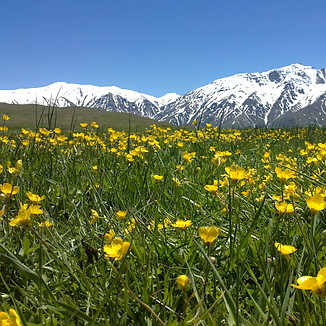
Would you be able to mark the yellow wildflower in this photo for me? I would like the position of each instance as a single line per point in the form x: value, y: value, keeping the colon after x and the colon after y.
x: 121, y: 214
x: 5, y: 117
x: 315, y: 284
x: 116, y: 249
x: 180, y: 167
x: 130, y: 226
x: 25, y: 215
x: 94, y: 125
x: 109, y: 236
x: 284, y: 250
x: 180, y: 224
x: 9, y: 190
x: 224, y: 182
x: 129, y: 158
x: 212, y: 188
x: 57, y: 130
x: 183, y: 282
x: 315, y: 203
x: 94, y: 217
x: 284, y: 207
x: 188, y: 157
x: 237, y: 173
x: 34, y: 209
x: 217, y: 160
x: 176, y: 181
x: 45, y: 224
x: 36, y: 199
x: 209, y: 234
x: 158, y: 178
x: 284, y: 175
x: 11, y: 319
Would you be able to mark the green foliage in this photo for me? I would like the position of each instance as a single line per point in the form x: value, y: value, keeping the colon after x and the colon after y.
x: 61, y: 274
x: 35, y: 116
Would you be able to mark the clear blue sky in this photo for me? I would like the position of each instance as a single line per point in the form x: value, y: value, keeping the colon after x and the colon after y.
x: 155, y: 46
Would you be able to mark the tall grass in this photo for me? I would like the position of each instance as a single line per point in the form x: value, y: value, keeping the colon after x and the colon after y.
x: 60, y: 274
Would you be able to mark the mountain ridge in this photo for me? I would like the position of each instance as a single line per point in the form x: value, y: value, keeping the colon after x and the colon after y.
x: 240, y: 101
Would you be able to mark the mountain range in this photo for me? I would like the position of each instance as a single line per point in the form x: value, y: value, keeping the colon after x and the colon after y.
x: 294, y: 95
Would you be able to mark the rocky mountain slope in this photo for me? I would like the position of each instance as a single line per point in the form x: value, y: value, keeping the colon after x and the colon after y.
x: 292, y: 95
x: 279, y: 97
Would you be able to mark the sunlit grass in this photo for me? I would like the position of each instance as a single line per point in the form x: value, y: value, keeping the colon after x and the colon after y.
x: 162, y: 227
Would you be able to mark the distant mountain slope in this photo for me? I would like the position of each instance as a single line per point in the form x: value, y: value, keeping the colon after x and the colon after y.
x: 292, y: 95
x: 109, y: 98
x: 258, y: 99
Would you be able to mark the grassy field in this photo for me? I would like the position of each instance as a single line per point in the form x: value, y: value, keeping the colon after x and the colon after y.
x: 162, y: 227
x: 35, y: 116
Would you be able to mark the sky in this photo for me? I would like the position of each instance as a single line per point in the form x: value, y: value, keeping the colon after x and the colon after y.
x: 155, y: 46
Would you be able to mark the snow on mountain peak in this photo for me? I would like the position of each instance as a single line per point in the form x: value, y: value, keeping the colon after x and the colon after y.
x: 245, y: 99
x: 250, y: 99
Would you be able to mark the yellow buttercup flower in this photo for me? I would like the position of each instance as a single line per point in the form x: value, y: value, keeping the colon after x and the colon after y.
x: 284, y: 175
x: 315, y: 203
x: 94, y: 125
x: 290, y: 190
x: 284, y: 208
x: 11, y: 319
x: 176, y: 181
x: 109, y: 236
x: 36, y: 199
x: 16, y: 169
x: 157, y: 178
x: 180, y: 224
x: 180, y: 167
x: 315, y: 284
x: 131, y: 225
x: 9, y: 190
x: 212, y: 188
x: 237, y: 173
x: 209, y: 234
x: 116, y: 249
x: 25, y: 215
x: 34, y: 209
x: 83, y: 125
x: 188, y: 157
x: 284, y: 250
x: 45, y: 224
x: 183, y: 282
x: 94, y: 217
x: 121, y: 214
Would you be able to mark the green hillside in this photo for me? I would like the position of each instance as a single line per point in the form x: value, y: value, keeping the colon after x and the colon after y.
x: 33, y: 116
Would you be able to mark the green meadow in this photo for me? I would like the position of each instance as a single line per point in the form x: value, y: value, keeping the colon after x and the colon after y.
x: 35, y: 116
x: 103, y: 224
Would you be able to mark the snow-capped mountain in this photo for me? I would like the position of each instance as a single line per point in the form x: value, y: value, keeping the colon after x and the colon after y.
x: 290, y: 95
x: 109, y: 98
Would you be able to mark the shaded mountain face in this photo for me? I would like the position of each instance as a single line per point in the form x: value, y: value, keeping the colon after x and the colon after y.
x: 110, y: 98
x: 292, y: 95
x: 255, y: 100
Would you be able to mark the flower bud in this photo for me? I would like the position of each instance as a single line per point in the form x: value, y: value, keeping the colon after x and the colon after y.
x: 182, y: 282
x: 212, y: 259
